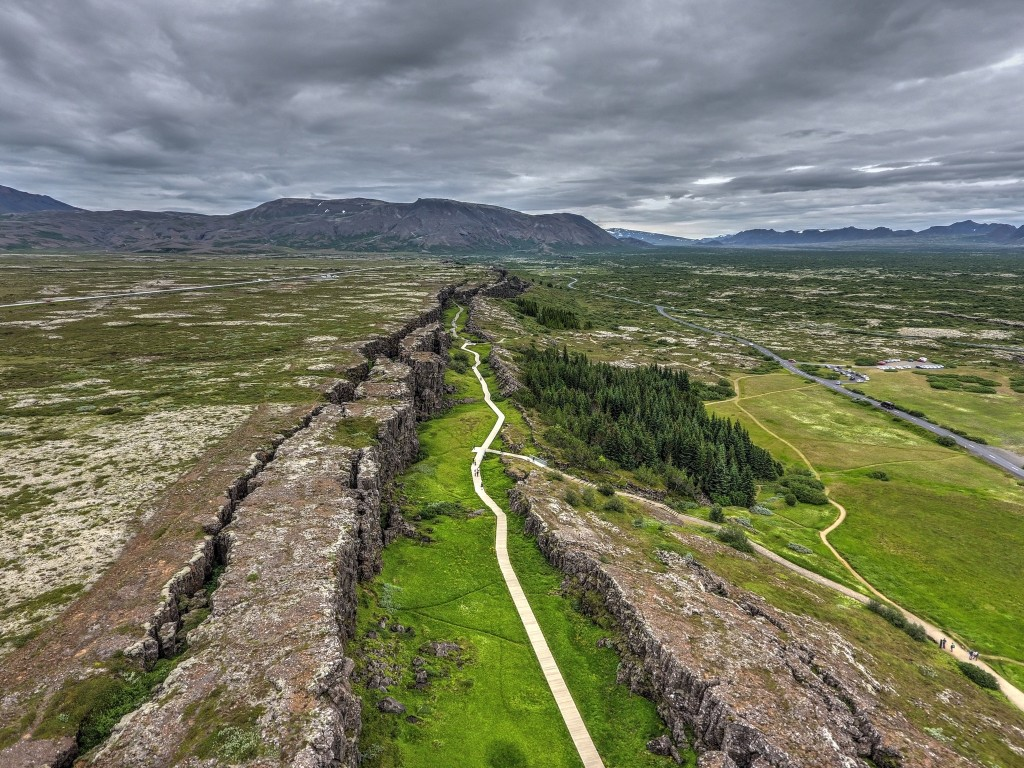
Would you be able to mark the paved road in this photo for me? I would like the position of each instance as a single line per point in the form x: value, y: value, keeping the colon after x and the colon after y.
x: 1005, y: 460
x: 183, y: 289
x: 566, y: 706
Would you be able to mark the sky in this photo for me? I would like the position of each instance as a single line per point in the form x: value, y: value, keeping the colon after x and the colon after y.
x: 689, y: 117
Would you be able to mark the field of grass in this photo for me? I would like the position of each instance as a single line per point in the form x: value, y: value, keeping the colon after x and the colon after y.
x: 998, y: 418
x: 915, y: 678
x: 814, y: 305
x: 103, y: 403
x: 942, y: 536
x: 489, y: 704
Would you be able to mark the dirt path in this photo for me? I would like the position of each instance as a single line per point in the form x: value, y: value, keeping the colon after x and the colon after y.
x: 823, y: 535
x: 566, y: 706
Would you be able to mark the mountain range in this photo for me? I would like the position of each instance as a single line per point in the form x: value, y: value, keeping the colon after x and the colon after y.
x: 961, y: 233
x: 350, y: 224
x: 39, y: 222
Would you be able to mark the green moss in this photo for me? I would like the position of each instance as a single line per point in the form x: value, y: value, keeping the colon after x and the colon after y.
x: 355, y: 432
x: 89, y: 709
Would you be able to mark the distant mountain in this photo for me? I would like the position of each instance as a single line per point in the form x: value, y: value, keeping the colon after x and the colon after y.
x: 960, y: 233
x: 16, y: 201
x: 652, y: 238
x: 351, y: 224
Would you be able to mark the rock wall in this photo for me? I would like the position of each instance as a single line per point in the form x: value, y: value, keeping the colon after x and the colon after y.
x: 755, y: 687
x: 505, y: 370
x: 298, y: 544
x: 297, y: 530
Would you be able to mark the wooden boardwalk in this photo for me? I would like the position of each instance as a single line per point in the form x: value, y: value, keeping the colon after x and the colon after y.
x: 566, y: 706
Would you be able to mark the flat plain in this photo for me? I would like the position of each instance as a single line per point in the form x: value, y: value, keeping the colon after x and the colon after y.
x: 105, y: 403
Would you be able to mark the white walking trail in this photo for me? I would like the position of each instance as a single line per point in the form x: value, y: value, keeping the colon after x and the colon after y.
x: 566, y: 706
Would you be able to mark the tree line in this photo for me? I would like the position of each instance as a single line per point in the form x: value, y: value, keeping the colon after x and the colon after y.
x: 646, y: 417
x: 555, y: 318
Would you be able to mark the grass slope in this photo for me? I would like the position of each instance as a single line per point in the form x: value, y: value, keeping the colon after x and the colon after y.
x: 488, y: 704
x: 942, y: 537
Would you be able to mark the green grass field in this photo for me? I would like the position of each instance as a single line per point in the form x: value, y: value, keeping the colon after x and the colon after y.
x: 942, y: 537
x: 998, y: 418
x: 489, y: 705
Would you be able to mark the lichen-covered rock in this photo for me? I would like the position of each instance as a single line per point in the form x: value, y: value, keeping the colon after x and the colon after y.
x: 756, y: 687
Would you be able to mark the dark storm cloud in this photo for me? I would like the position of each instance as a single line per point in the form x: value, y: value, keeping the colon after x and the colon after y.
x: 687, y: 117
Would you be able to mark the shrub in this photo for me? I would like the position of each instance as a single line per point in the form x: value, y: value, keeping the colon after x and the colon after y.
x: 588, y: 496
x: 716, y: 515
x: 638, y: 522
x: 605, y: 489
x: 647, y: 476
x: 888, y: 613
x: 763, y: 511
x: 790, y: 500
x: 877, y: 474
x: 744, y: 522
x: 898, y: 620
x: 805, y: 487
x: 916, y: 631
x: 799, y: 548
x: 735, y: 537
x: 978, y: 675
x: 433, y: 509
x: 615, y: 504
x: 945, y: 441
x: 506, y: 754
x: 572, y: 498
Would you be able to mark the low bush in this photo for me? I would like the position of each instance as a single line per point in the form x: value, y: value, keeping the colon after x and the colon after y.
x: 605, y: 489
x: 716, y: 515
x: 898, y: 620
x: 800, y: 548
x: 734, y: 536
x: 877, y: 474
x: 946, y: 441
x: 978, y: 675
x: 615, y: 504
x: 763, y: 511
x: 572, y: 498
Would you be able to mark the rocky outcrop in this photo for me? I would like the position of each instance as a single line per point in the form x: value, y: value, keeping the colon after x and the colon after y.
x: 297, y: 529
x: 271, y: 655
x: 425, y: 350
x: 508, y: 286
x: 505, y: 370
x: 756, y: 687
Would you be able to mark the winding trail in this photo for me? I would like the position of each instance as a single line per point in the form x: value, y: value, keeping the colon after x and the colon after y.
x: 566, y: 706
x: 1014, y: 694
x: 823, y: 534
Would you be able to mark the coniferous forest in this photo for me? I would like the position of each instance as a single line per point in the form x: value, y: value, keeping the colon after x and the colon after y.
x: 649, y: 417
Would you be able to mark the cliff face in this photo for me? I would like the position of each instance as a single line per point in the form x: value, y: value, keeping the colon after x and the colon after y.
x: 756, y: 687
x: 295, y: 531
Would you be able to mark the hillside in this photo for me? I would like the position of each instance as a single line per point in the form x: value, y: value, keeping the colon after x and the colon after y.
x: 16, y: 201
x: 961, y: 233
x: 347, y: 224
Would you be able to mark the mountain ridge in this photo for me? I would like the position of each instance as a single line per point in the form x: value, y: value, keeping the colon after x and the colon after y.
x: 965, y: 232
x: 428, y: 224
x: 15, y: 201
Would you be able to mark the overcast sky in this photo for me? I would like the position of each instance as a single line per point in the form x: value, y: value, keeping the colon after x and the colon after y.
x: 692, y: 117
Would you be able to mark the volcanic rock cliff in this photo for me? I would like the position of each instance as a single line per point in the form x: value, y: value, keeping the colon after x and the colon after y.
x: 296, y: 530
x: 753, y: 686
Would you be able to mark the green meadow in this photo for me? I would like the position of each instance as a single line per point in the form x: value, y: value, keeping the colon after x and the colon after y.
x: 942, y: 536
x: 486, y: 704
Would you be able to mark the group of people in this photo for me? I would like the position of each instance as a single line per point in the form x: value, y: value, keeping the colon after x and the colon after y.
x: 972, y: 655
